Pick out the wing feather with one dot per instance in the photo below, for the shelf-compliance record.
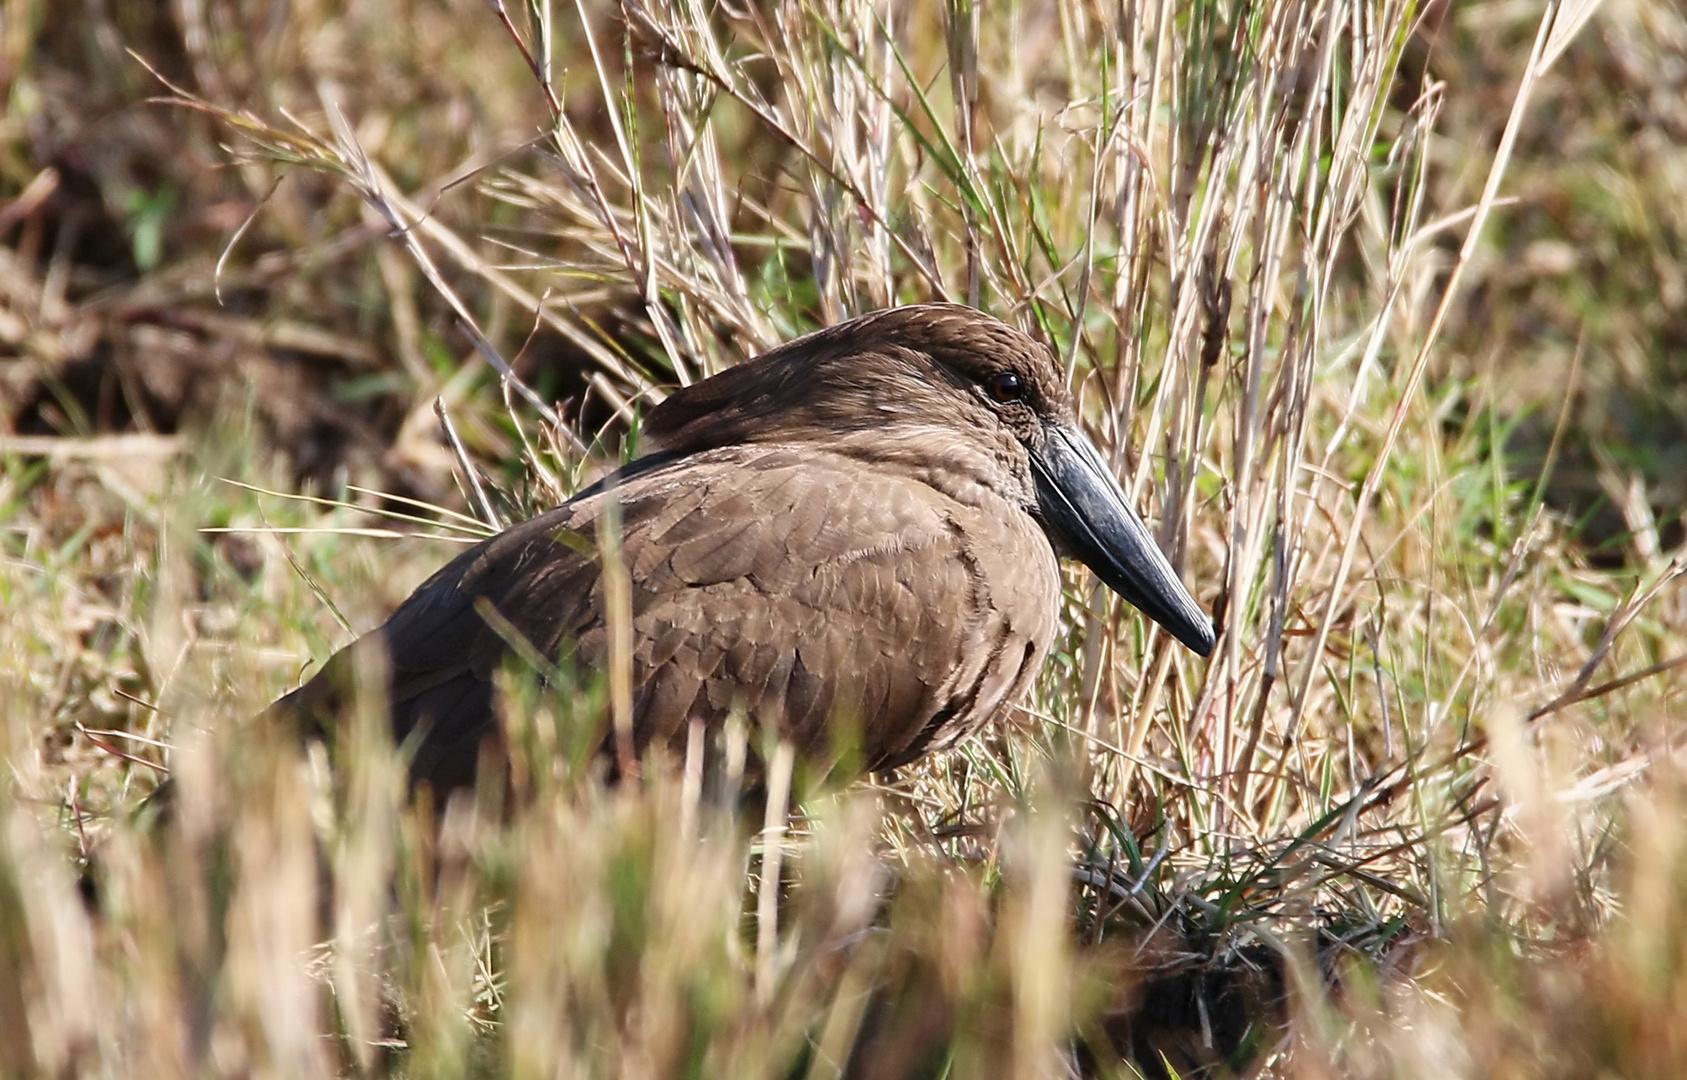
(796, 587)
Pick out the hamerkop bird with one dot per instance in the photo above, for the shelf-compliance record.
(857, 528)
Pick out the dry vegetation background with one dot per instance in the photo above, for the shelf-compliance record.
(1382, 308)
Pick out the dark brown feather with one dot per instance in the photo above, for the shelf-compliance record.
(841, 532)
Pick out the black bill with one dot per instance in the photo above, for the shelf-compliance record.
(1083, 503)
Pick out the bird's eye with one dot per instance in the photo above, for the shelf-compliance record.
(1005, 387)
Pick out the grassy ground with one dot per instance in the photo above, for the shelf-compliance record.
(1378, 307)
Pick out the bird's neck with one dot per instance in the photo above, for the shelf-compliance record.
(964, 470)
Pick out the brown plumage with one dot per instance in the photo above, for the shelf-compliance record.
(859, 527)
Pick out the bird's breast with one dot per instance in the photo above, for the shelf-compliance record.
(1003, 625)
(831, 599)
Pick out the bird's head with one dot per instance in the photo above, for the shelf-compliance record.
(963, 400)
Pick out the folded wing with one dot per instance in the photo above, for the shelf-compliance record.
(839, 604)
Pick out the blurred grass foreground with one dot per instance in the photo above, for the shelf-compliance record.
(1380, 308)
